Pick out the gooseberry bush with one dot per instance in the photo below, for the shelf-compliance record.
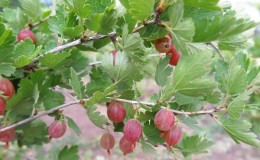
(195, 51)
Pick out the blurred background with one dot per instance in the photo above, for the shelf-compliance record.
(224, 147)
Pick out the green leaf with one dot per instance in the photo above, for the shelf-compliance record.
(25, 52)
(253, 74)
(239, 131)
(191, 122)
(15, 18)
(121, 69)
(52, 99)
(6, 69)
(184, 29)
(230, 76)
(7, 40)
(182, 99)
(210, 5)
(152, 133)
(147, 148)
(81, 8)
(176, 12)
(222, 26)
(163, 70)
(73, 126)
(98, 81)
(100, 6)
(143, 117)
(102, 22)
(33, 133)
(31, 8)
(52, 60)
(198, 14)
(153, 32)
(195, 144)
(189, 76)
(73, 31)
(76, 84)
(139, 9)
(95, 117)
(233, 43)
(237, 105)
(69, 153)
(58, 22)
(132, 46)
(99, 97)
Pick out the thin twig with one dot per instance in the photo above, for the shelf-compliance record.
(93, 38)
(38, 116)
(31, 26)
(217, 50)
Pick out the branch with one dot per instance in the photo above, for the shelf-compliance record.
(217, 50)
(38, 116)
(93, 38)
(217, 109)
(14, 125)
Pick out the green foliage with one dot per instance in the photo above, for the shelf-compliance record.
(230, 76)
(69, 152)
(95, 117)
(190, 76)
(195, 144)
(152, 133)
(76, 84)
(33, 133)
(239, 131)
(73, 125)
(163, 71)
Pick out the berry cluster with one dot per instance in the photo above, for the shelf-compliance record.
(165, 45)
(164, 120)
(132, 130)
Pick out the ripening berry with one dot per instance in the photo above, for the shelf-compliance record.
(107, 142)
(132, 130)
(164, 119)
(126, 146)
(7, 88)
(116, 112)
(164, 44)
(2, 106)
(175, 56)
(57, 129)
(7, 136)
(25, 33)
(173, 136)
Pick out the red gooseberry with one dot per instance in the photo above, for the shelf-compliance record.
(116, 112)
(25, 33)
(132, 130)
(173, 136)
(7, 136)
(126, 146)
(57, 129)
(175, 56)
(163, 45)
(7, 88)
(164, 119)
(2, 106)
(107, 141)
